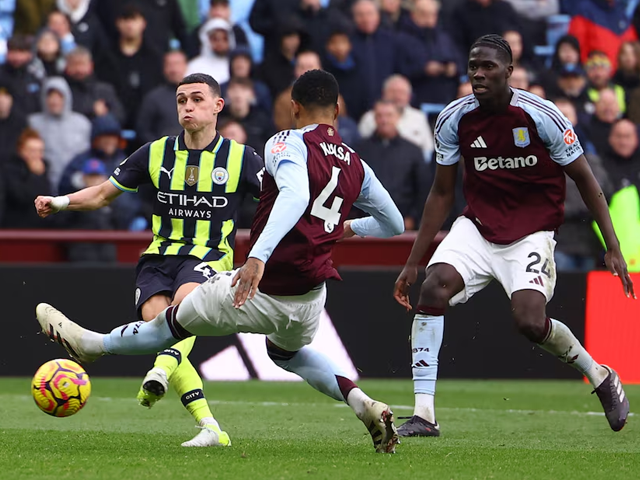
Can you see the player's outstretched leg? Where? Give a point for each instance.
(556, 338)
(137, 338)
(441, 283)
(323, 375)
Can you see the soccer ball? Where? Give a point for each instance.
(61, 387)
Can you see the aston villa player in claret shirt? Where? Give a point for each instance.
(516, 148)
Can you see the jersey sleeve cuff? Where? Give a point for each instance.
(119, 186)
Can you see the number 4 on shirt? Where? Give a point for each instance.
(331, 216)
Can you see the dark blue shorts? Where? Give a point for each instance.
(165, 274)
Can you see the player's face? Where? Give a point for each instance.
(489, 76)
(197, 106)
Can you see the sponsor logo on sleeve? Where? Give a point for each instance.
(569, 136)
(279, 147)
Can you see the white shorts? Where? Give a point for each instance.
(289, 322)
(523, 265)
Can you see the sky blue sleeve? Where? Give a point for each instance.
(287, 163)
(446, 136)
(385, 220)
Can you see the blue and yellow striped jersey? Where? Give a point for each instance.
(197, 194)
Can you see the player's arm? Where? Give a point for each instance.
(91, 198)
(289, 170)
(591, 192)
(385, 220)
(436, 208)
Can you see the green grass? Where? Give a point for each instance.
(500, 430)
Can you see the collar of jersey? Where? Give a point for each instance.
(212, 147)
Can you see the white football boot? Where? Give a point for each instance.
(67, 333)
(209, 436)
(378, 418)
(154, 387)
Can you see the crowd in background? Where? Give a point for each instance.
(83, 83)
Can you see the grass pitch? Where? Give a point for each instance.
(490, 429)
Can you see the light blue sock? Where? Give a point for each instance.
(426, 339)
(140, 338)
(316, 368)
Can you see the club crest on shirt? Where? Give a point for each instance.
(191, 175)
(219, 175)
(521, 137)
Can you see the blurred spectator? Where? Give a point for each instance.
(522, 56)
(380, 53)
(12, 121)
(217, 40)
(628, 73)
(240, 107)
(106, 144)
(134, 67)
(599, 73)
(567, 53)
(318, 21)
(443, 64)
(241, 66)
(49, 52)
(412, 124)
(519, 78)
(607, 112)
(600, 25)
(622, 156)
(464, 89)
(538, 90)
(569, 110)
(277, 68)
(217, 9)
(60, 24)
(571, 83)
(93, 172)
(273, 19)
(233, 130)
(339, 61)
(26, 177)
(473, 18)
(533, 17)
(392, 13)
(25, 72)
(86, 28)
(30, 15)
(164, 15)
(577, 246)
(347, 126)
(305, 61)
(91, 97)
(158, 114)
(65, 133)
(398, 163)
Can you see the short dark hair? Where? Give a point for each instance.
(316, 88)
(241, 82)
(214, 3)
(202, 78)
(497, 43)
(130, 11)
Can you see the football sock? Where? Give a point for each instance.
(140, 338)
(188, 385)
(170, 358)
(561, 342)
(426, 339)
(314, 367)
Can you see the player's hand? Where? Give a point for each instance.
(348, 231)
(618, 267)
(407, 277)
(46, 205)
(247, 278)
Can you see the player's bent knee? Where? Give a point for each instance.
(531, 319)
(279, 356)
(442, 283)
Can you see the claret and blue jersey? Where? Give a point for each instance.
(514, 182)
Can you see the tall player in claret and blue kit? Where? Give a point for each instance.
(311, 181)
(517, 148)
